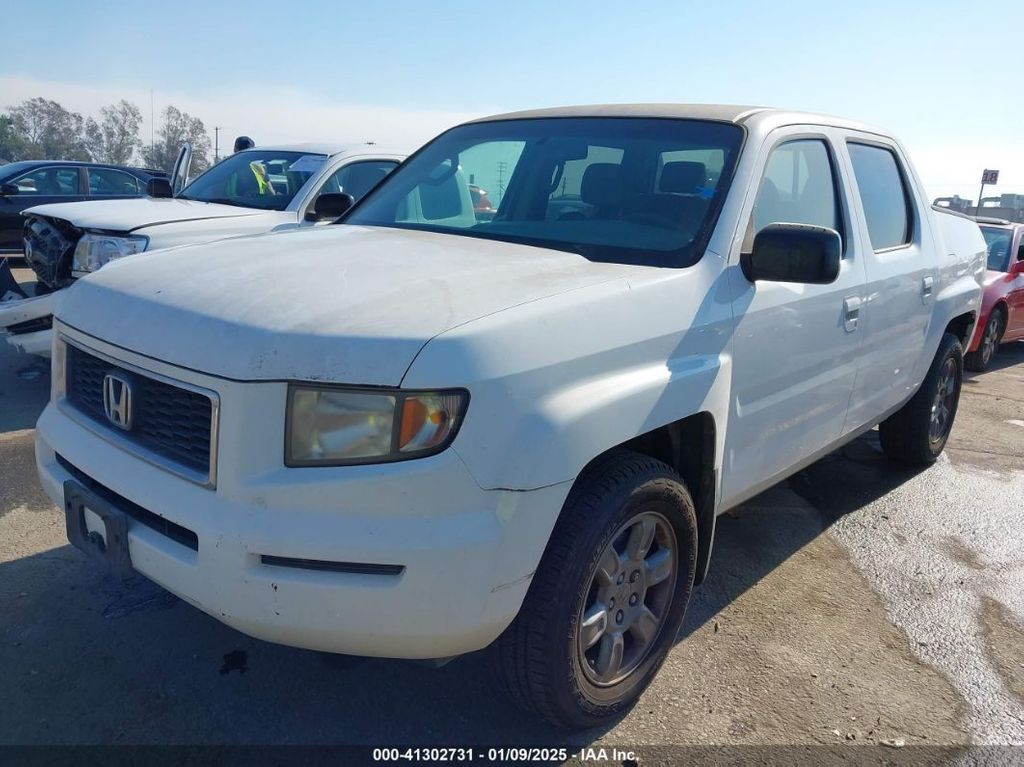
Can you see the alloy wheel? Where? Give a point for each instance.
(944, 403)
(988, 343)
(629, 598)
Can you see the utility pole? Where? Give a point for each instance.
(216, 144)
(152, 123)
(502, 167)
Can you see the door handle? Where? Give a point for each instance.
(851, 313)
(926, 287)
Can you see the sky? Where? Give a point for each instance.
(943, 76)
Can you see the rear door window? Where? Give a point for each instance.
(106, 182)
(883, 195)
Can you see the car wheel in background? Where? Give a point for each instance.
(988, 346)
(605, 605)
(917, 432)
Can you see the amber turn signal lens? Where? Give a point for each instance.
(427, 420)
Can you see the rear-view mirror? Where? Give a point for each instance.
(794, 253)
(7, 190)
(158, 187)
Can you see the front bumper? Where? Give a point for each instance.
(467, 554)
(25, 312)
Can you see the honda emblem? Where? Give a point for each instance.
(117, 400)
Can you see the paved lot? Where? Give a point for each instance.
(855, 603)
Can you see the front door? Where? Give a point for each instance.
(40, 186)
(181, 174)
(796, 346)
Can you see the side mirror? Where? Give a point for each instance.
(329, 206)
(159, 187)
(9, 190)
(794, 253)
(1017, 267)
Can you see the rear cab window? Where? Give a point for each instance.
(884, 195)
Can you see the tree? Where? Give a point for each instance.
(177, 128)
(12, 145)
(48, 131)
(115, 138)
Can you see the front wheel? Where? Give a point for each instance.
(917, 432)
(607, 600)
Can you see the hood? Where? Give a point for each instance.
(138, 213)
(344, 304)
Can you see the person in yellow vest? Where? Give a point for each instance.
(264, 187)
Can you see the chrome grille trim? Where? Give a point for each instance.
(206, 479)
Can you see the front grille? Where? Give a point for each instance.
(170, 421)
(49, 245)
(30, 326)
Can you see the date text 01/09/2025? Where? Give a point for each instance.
(500, 754)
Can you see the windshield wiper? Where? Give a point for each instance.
(219, 201)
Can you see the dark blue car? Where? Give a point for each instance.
(36, 182)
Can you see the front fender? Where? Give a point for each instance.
(554, 386)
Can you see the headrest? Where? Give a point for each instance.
(682, 177)
(602, 184)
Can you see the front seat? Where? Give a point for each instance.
(602, 187)
(682, 177)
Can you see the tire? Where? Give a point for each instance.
(911, 434)
(553, 658)
(979, 360)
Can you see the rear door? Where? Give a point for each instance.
(39, 186)
(901, 270)
(796, 346)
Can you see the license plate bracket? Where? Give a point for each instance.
(113, 551)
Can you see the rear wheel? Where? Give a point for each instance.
(607, 600)
(980, 360)
(917, 432)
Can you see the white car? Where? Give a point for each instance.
(421, 433)
(267, 189)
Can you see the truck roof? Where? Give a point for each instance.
(733, 113)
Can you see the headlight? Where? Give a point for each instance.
(94, 250)
(335, 426)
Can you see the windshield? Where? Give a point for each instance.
(255, 179)
(998, 242)
(626, 190)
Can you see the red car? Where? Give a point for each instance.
(1002, 303)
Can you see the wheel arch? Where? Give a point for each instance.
(688, 445)
(962, 326)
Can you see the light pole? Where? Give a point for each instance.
(216, 144)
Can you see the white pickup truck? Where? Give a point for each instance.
(267, 189)
(421, 432)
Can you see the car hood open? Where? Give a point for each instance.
(344, 304)
(136, 214)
